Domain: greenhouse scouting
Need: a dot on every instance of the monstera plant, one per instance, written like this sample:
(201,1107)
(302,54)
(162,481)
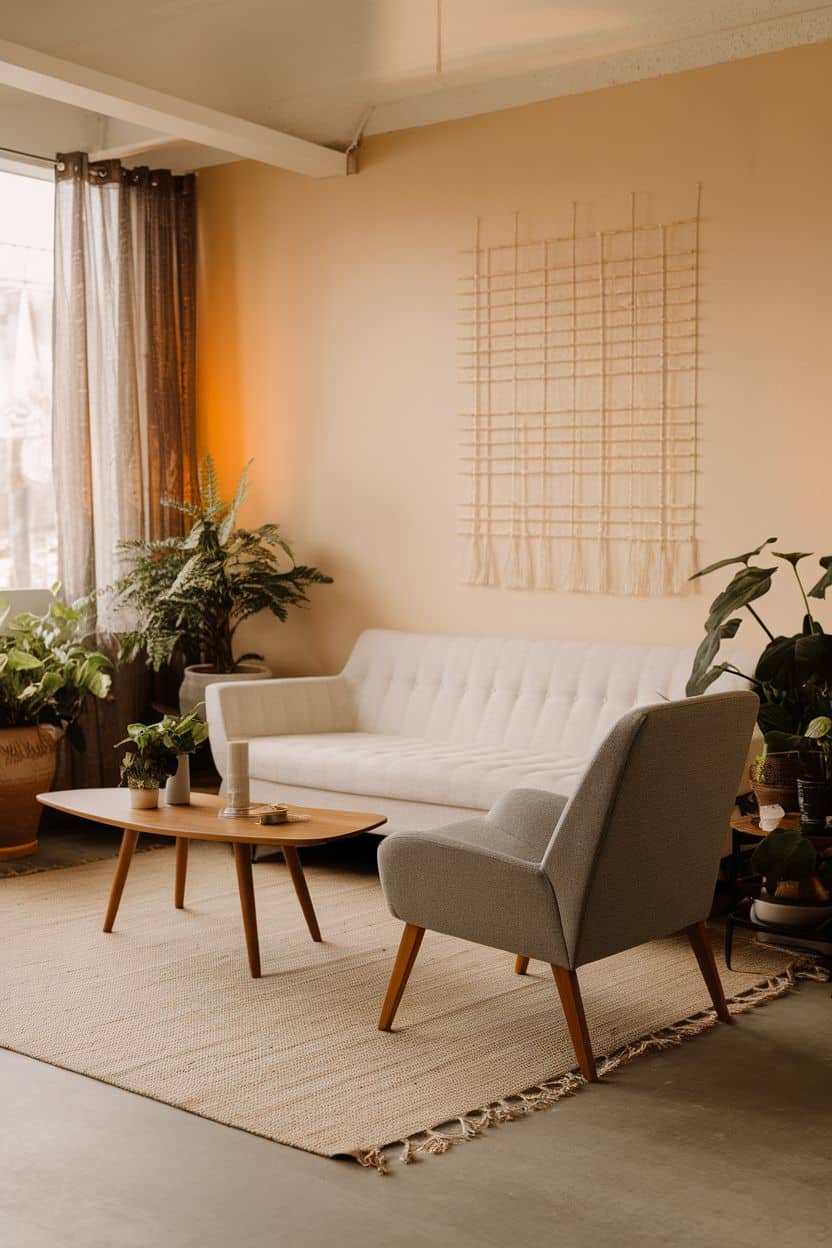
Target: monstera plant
(793,676)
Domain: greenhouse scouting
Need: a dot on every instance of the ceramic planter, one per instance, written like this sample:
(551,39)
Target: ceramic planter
(178,787)
(790,913)
(200,675)
(143,799)
(28,757)
(814,799)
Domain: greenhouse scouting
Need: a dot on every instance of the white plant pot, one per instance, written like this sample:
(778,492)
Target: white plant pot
(178,787)
(144,799)
(200,675)
(790,913)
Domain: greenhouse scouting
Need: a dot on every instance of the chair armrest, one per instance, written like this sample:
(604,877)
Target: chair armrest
(270,708)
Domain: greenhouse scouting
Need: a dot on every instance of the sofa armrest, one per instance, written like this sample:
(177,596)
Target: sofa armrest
(270,708)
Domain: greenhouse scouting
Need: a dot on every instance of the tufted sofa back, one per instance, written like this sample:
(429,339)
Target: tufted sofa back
(527,695)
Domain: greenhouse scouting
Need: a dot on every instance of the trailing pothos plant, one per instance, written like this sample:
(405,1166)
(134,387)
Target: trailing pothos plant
(47,669)
(188,595)
(155,748)
(793,676)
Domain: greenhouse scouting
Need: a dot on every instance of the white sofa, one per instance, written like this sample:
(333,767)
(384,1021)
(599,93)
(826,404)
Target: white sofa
(427,729)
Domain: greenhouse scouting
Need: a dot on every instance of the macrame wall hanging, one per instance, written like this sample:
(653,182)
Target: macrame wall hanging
(578,356)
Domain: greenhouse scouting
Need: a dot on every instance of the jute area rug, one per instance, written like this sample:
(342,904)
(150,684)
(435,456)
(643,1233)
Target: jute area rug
(164,1006)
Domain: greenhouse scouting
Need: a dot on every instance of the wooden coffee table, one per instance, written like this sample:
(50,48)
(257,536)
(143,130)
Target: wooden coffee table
(200,822)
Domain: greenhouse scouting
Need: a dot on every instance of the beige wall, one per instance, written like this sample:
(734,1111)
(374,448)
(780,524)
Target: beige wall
(327,320)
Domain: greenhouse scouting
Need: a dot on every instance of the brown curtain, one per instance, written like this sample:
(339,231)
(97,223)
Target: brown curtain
(123,393)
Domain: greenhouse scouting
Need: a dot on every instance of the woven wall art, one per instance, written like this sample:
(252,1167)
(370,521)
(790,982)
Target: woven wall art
(579,356)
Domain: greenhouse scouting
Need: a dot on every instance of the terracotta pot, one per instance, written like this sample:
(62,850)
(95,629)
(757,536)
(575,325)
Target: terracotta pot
(28,757)
(784,795)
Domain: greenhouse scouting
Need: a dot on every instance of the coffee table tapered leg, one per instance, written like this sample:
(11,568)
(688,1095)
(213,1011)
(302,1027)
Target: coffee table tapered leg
(292,858)
(125,857)
(181,871)
(245,883)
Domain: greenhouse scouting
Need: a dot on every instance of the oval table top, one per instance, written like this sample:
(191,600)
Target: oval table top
(199,821)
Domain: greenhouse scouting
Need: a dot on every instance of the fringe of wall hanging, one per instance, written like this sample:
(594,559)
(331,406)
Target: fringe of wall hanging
(579,356)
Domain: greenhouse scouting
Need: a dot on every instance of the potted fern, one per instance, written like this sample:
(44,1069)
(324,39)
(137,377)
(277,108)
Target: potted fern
(189,595)
(47,671)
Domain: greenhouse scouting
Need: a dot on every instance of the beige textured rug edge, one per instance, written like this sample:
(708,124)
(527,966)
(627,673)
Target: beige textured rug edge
(440,1138)
(164,1008)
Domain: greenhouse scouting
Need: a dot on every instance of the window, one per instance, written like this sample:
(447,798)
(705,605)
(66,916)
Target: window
(28,543)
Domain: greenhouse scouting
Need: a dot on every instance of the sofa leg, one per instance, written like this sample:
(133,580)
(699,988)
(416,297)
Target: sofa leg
(521,965)
(408,949)
(573,1009)
(700,943)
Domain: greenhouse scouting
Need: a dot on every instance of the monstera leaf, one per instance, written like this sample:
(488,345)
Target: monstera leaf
(819,590)
(727,563)
(703,674)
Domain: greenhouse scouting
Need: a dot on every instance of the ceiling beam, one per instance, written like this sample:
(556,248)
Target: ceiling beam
(57,79)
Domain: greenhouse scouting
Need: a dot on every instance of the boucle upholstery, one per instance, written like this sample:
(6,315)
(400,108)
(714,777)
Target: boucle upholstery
(573,882)
(450,723)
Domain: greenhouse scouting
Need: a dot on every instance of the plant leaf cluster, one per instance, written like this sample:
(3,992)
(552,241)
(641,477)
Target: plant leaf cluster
(47,669)
(789,855)
(156,747)
(793,676)
(188,595)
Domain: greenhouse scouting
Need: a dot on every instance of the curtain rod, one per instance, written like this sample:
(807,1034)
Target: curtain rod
(13,151)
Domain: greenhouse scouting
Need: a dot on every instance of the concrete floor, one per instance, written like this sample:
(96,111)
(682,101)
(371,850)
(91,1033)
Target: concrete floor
(724,1141)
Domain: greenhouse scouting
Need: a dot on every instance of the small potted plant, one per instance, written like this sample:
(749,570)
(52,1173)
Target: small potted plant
(774,779)
(797,880)
(813,751)
(47,671)
(159,755)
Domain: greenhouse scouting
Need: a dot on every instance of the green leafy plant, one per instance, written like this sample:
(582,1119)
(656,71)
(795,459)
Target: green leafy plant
(47,670)
(188,595)
(155,748)
(792,867)
(793,675)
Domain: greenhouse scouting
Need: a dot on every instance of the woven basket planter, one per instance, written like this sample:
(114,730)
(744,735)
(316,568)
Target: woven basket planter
(28,757)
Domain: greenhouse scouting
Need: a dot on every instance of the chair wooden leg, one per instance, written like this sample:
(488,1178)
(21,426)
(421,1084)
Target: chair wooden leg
(573,1009)
(700,943)
(182,843)
(125,857)
(292,860)
(245,884)
(521,965)
(408,949)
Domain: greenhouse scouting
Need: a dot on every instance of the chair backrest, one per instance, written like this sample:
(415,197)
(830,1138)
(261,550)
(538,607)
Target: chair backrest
(636,852)
(551,697)
(36,601)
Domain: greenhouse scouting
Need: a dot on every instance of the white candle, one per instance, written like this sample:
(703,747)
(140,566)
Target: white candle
(238,791)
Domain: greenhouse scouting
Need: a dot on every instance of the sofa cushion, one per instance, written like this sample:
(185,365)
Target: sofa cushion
(558,698)
(409,768)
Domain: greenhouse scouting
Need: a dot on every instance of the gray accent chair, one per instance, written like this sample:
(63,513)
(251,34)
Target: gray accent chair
(633,855)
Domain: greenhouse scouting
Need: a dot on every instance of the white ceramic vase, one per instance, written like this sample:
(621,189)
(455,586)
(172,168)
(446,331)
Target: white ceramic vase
(200,675)
(144,799)
(178,787)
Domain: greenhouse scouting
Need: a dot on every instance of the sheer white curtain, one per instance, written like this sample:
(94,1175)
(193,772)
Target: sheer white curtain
(123,384)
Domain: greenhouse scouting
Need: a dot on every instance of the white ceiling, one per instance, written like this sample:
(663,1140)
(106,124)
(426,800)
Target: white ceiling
(317,68)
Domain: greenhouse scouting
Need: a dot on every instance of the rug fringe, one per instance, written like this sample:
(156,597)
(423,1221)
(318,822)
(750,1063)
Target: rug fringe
(435,1141)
